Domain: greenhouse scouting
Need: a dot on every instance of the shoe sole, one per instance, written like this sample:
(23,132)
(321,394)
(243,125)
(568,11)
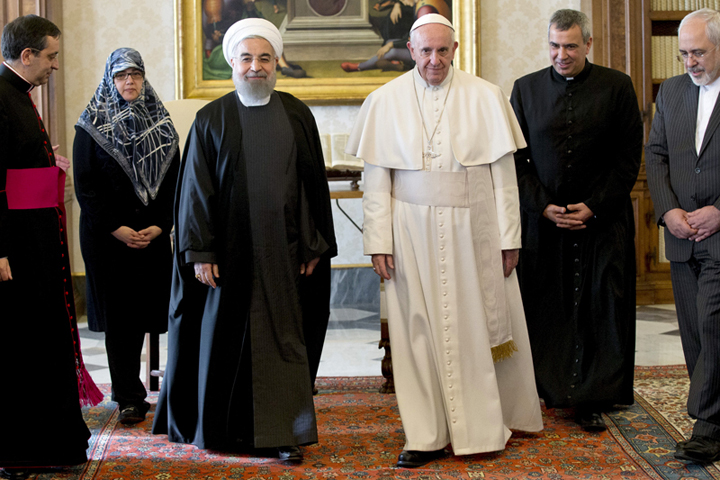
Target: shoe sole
(419,464)
(690,458)
(131,420)
(412,465)
(292,460)
(595,429)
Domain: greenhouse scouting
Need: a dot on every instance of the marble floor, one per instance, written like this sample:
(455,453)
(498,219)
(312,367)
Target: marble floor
(351,345)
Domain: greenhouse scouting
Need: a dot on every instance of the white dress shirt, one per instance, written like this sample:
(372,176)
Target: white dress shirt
(706,104)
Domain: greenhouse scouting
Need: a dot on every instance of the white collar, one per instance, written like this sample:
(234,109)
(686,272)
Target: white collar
(713,87)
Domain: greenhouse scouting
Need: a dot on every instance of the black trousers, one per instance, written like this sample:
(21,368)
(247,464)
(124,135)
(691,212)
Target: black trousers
(696,285)
(124,348)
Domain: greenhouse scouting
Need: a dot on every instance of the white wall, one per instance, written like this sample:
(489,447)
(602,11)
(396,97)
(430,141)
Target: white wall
(514,37)
(514,43)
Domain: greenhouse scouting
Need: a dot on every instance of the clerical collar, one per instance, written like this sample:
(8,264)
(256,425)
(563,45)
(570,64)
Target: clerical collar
(422,83)
(577,78)
(28,87)
(252,102)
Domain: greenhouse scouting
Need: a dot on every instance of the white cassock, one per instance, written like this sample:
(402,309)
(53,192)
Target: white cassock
(445,217)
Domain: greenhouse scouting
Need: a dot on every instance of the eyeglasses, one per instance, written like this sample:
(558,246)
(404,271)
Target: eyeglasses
(696,54)
(122,76)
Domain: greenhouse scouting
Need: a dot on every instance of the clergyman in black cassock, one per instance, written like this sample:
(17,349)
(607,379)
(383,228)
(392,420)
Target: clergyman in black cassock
(252,212)
(577,265)
(42,373)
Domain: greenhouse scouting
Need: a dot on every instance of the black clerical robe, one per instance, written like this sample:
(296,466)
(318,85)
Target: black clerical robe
(253,198)
(43,423)
(584,144)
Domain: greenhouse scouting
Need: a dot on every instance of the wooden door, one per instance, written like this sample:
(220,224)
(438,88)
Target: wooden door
(622,31)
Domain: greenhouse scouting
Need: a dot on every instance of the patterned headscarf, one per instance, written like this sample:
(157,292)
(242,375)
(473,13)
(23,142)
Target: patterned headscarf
(139,135)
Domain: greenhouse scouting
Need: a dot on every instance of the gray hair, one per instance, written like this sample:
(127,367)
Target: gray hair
(712,23)
(566,18)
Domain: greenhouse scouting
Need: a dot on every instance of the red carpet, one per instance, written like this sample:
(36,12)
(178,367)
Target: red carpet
(361,436)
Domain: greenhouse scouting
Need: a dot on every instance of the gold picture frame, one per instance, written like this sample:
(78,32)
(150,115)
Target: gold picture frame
(314,91)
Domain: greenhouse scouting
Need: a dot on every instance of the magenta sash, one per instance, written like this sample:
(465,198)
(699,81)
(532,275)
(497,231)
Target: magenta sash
(28,188)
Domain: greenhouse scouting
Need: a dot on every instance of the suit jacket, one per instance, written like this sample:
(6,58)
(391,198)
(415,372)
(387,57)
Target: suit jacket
(678,176)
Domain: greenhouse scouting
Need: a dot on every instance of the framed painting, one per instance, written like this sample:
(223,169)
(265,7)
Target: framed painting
(335,51)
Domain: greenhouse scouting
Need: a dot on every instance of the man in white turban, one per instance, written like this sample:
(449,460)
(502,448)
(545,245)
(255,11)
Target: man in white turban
(442,223)
(253,242)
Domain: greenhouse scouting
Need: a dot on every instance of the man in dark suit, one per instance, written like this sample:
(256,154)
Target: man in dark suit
(683,168)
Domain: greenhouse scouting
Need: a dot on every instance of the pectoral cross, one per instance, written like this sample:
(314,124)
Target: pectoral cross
(429,154)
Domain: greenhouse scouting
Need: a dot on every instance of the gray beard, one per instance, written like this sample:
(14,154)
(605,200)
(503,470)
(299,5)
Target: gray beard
(257,90)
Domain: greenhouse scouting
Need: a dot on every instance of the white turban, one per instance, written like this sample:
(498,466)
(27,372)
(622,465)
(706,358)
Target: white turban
(251,27)
(431,18)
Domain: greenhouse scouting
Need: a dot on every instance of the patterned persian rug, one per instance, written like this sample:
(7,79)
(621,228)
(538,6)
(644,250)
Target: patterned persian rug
(361,436)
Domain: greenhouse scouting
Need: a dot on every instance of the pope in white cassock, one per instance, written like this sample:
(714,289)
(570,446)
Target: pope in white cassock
(442,223)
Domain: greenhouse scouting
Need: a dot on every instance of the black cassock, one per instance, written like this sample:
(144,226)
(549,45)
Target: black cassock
(42,422)
(253,198)
(584,145)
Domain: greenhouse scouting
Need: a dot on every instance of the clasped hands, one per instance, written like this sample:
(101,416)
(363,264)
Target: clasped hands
(137,240)
(572,217)
(696,225)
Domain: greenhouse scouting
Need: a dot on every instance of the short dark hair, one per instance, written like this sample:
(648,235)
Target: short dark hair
(29,31)
(566,18)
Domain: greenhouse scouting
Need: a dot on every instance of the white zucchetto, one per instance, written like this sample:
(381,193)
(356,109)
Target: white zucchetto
(432,18)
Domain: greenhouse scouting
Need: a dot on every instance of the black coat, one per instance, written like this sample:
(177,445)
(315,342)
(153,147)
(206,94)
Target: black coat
(126,285)
(38,311)
(203,377)
(584,143)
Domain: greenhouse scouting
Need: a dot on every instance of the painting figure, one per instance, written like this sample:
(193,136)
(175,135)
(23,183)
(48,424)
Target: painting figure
(218,16)
(394,29)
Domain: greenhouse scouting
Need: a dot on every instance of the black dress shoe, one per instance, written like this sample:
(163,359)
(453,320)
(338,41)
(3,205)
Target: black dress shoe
(590,421)
(14,473)
(290,454)
(416,458)
(699,449)
(131,415)
(681,443)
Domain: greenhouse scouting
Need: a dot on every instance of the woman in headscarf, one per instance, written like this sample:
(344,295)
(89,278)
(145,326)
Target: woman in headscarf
(126,164)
